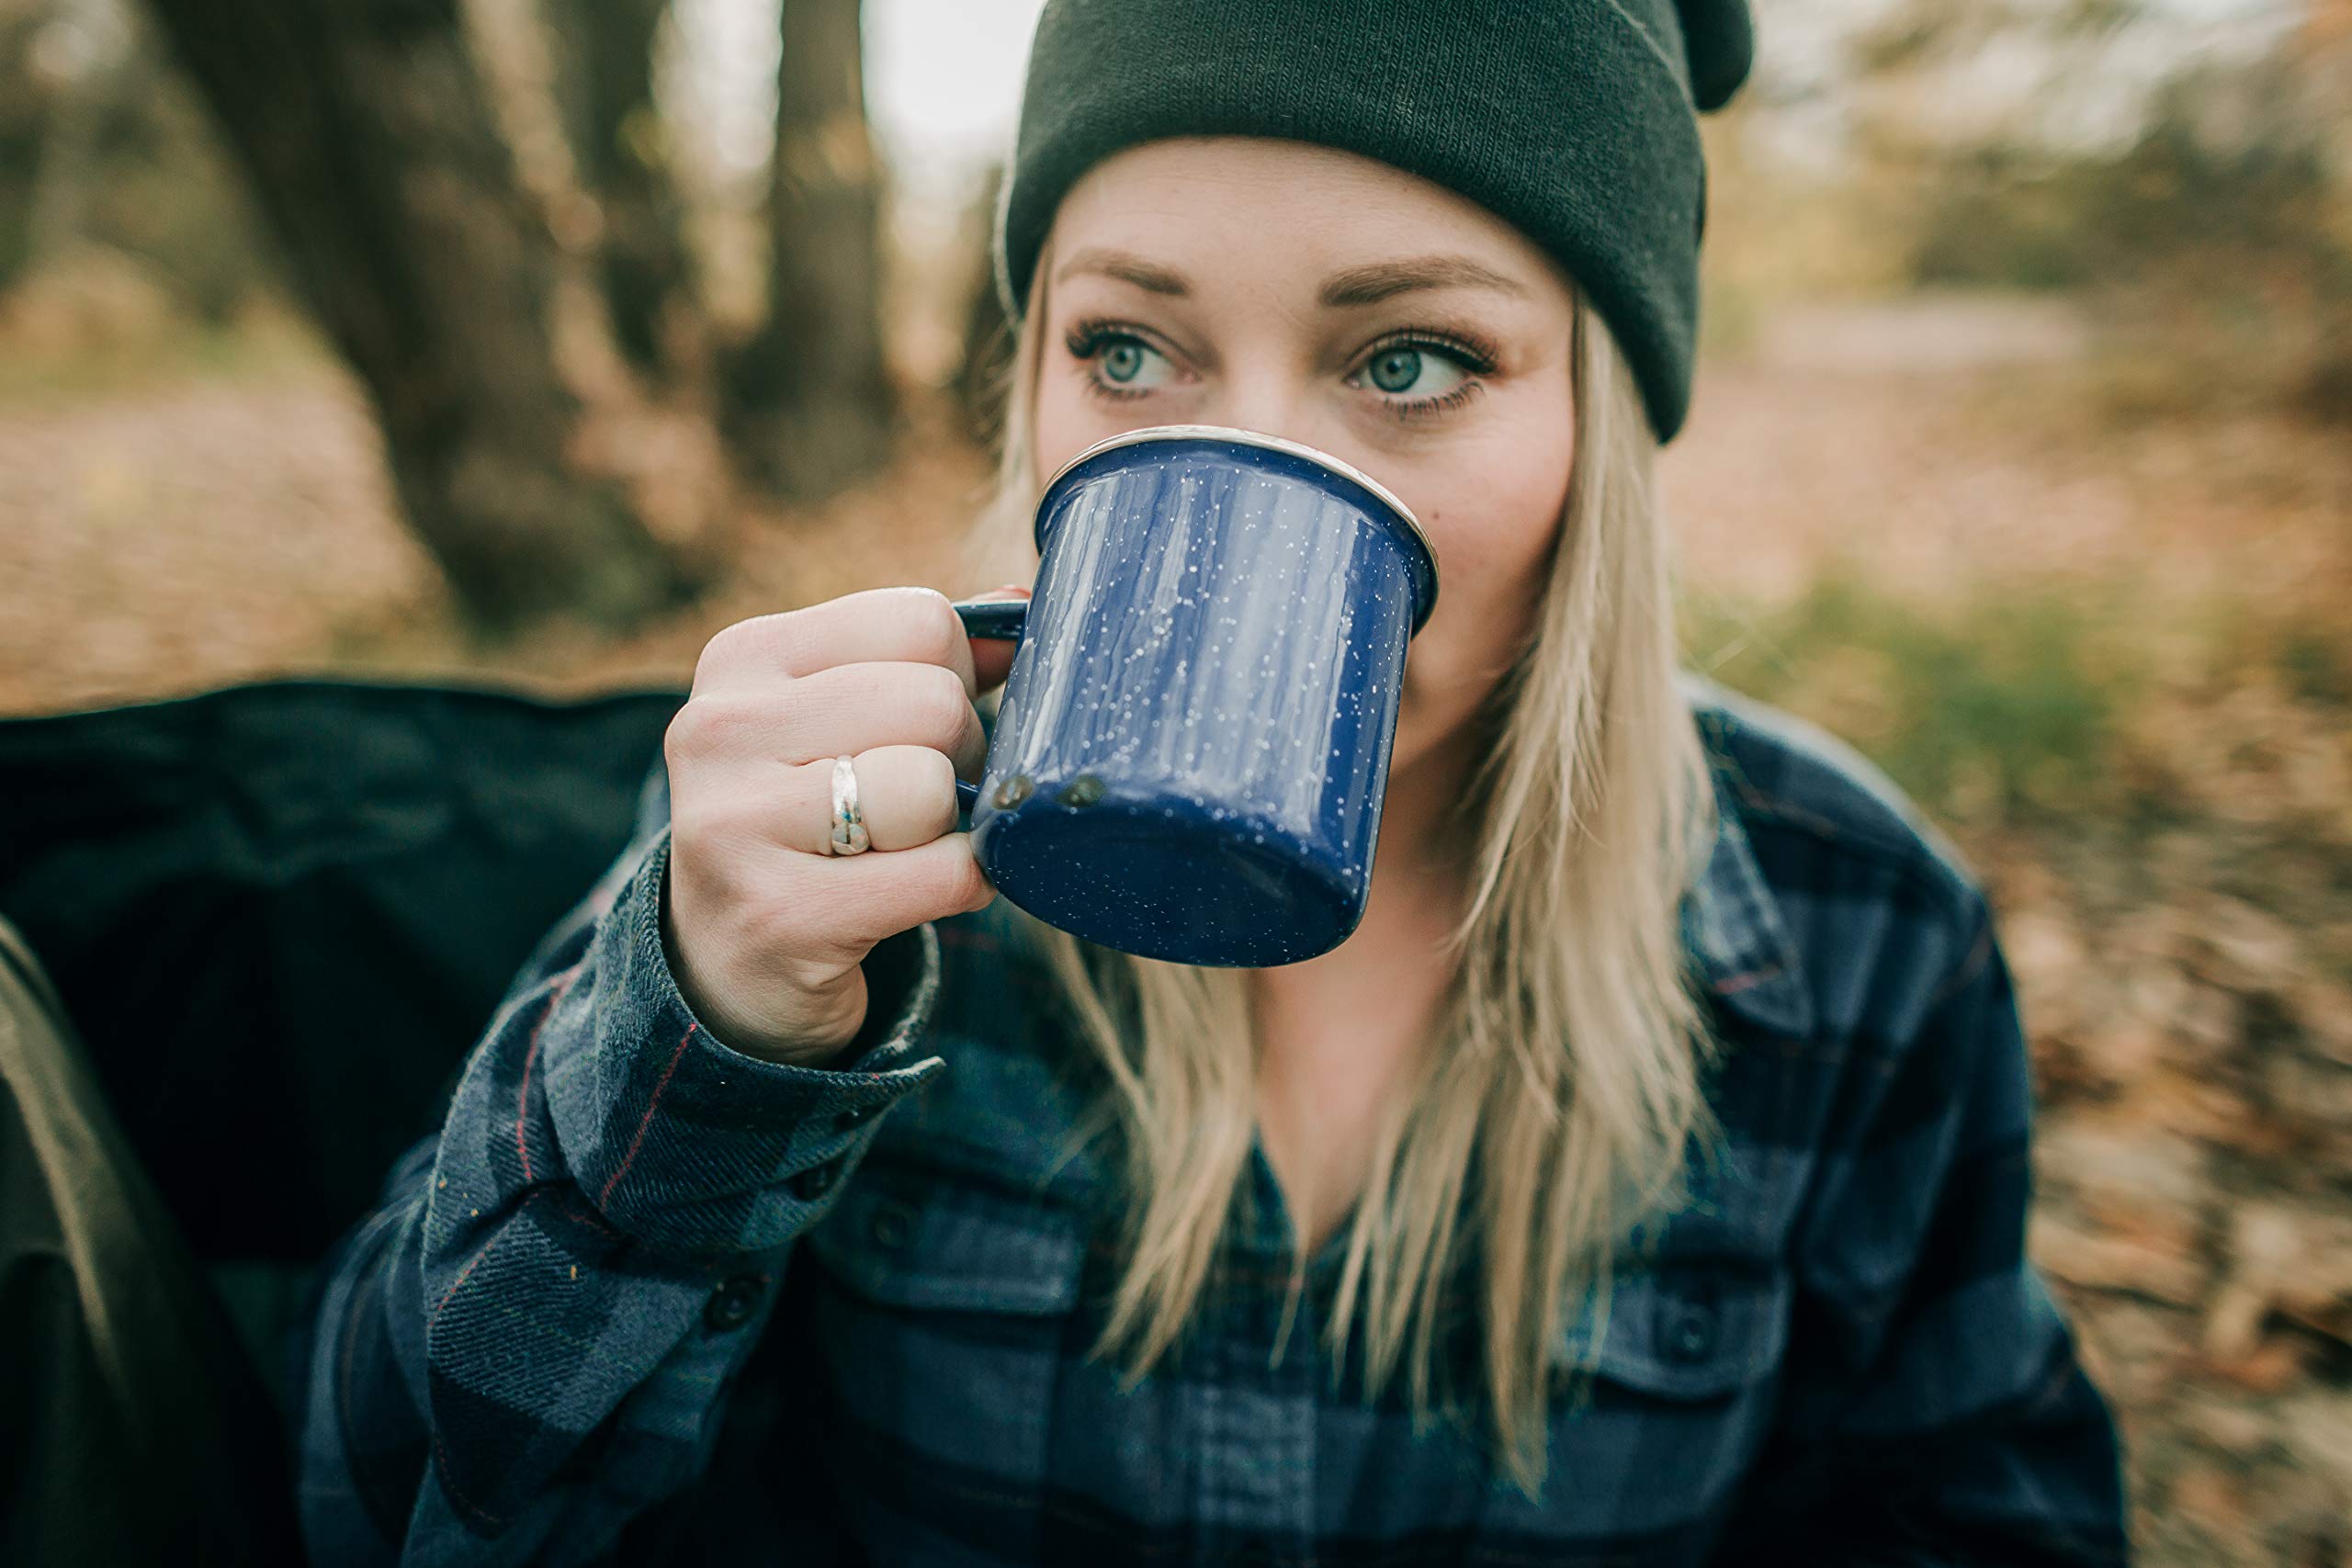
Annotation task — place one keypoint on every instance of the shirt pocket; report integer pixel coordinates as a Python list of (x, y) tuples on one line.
[(944, 1309), (1690, 1335), (1681, 1394)]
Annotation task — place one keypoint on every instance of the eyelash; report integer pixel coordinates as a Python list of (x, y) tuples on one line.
[(1475, 357), (1088, 338)]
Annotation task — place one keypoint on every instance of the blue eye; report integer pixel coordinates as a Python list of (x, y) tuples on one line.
[(1121, 362), (1396, 370), (1407, 371)]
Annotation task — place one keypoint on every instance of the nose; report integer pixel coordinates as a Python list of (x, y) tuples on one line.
[(1270, 410), (1259, 391)]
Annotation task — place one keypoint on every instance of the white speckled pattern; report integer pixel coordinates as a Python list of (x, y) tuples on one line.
[(1216, 639)]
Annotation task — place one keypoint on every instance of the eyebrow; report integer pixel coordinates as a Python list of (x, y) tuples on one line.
[(1128, 268), (1381, 280), (1367, 284)]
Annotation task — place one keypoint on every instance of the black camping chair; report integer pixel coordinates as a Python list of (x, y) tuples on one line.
[(279, 914)]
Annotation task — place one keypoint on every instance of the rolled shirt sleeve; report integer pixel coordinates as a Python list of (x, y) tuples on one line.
[(530, 1340)]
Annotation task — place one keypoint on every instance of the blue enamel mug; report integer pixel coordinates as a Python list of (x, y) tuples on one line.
[(1190, 754)]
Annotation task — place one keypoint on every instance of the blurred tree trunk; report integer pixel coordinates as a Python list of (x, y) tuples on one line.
[(810, 398), (67, 170), (371, 147), (24, 112), (622, 145)]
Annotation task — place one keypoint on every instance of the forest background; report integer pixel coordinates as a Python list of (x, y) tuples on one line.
[(423, 339)]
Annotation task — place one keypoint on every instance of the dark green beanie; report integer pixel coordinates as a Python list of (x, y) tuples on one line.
[(1576, 121)]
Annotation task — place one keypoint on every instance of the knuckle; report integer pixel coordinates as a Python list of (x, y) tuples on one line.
[(688, 735), (781, 643), (954, 700), (941, 708), (731, 645), (939, 631), (707, 725), (935, 776)]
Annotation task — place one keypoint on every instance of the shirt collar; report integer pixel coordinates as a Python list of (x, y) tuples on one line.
[(1732, 924)]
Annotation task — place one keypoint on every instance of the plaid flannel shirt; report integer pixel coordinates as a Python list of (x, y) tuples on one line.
[(644, 1298)]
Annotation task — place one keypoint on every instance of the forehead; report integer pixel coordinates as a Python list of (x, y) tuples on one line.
[(1218, 206)]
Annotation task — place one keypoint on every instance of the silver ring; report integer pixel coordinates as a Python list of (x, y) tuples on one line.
[(848, 837)]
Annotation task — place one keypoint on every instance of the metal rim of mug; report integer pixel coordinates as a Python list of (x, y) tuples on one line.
[(1299, 449)]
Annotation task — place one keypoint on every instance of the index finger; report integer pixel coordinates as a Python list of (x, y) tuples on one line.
[(874, 626)]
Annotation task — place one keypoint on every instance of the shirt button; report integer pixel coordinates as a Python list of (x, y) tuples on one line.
[(1690, 1332), (892, 1225), (731, 1305), (817, 1180)]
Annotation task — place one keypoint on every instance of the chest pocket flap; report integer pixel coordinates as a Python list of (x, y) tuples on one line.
[(1687, 1335), (935, 1244)]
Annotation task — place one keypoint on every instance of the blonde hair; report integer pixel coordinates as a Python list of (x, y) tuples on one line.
[(1571, 1042)]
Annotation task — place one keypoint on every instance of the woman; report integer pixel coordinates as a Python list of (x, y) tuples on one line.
[(1643, 1181)]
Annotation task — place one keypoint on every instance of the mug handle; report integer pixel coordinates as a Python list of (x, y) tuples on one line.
[(1000, 620)]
